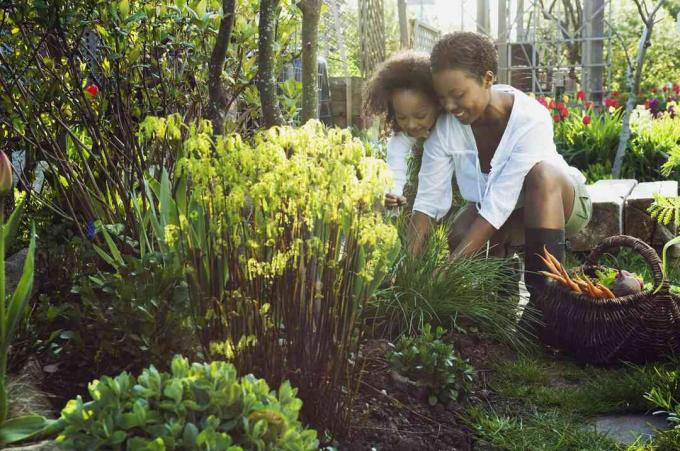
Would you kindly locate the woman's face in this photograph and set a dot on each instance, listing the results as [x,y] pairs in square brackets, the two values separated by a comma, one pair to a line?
[414,111]
[462,94]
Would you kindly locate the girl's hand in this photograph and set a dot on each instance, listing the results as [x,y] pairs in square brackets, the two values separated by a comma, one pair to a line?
[394,201]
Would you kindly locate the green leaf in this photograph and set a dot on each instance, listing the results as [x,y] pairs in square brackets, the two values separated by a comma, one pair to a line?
[164,200]
[136,17]
[22,428]
[23,290]
[664,256]
[174,390]
[12,223]
[189,436]
[115,253]
[106,257]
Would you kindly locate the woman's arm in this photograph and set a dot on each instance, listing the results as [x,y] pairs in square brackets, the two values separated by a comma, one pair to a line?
[476,237]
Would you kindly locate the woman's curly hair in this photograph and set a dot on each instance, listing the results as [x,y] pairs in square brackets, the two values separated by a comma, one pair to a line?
[407,70]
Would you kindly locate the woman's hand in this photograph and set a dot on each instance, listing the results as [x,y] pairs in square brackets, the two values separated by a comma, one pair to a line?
[394,201]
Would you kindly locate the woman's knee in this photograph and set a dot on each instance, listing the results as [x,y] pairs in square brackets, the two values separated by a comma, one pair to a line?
[544,178]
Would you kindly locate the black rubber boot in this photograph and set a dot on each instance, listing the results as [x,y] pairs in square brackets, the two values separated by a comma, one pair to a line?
[535,240]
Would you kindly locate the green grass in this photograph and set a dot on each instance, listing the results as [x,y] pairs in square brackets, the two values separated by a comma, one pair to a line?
[539,430]
[546,384]
[546,404]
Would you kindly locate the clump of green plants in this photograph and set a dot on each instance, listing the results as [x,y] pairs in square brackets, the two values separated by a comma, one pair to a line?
[202,406]
[477,292]
[665,395]
[137,312]
[283,246]
[433,364]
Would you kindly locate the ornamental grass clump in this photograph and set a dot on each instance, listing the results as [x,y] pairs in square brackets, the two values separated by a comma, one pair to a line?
[284,244]
[476,292]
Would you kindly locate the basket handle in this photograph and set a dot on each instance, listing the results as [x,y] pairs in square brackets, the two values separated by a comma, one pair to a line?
[642,248]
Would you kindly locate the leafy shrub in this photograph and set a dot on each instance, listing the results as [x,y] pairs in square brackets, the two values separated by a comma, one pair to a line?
[138,312]
[591,144]
[74,99]
[583,145]
[432,364]
[199,406]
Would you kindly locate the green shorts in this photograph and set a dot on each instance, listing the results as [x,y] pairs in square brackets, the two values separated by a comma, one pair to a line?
[581,213]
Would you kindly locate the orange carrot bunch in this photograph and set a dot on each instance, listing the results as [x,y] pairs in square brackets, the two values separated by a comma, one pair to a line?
[578,283]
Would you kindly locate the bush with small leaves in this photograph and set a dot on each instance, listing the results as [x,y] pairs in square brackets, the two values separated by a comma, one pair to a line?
[198,406]
[433,364]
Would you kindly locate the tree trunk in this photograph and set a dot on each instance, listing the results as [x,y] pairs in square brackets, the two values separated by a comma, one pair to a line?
[634,85]
[403,24]
[216,96]
[266,83]
[311,12]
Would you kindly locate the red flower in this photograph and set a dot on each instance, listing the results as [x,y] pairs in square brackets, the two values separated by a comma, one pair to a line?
[552,105]
[564,112]
[581,95]
[676,88]
[542,101]
[609,102]
[653,90]
[557,118]
[588,105]
[615,93]
[586,120]
[92,89]
[665,88]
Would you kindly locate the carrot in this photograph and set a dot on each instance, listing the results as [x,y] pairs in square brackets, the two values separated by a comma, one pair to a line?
[606,291]
[549,265]
[556,263]
[553,276]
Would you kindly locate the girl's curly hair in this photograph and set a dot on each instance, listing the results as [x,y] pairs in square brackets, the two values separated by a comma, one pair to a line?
[407,70]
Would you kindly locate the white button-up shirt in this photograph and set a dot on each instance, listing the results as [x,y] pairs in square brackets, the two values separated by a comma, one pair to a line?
[399,148]
[451,148]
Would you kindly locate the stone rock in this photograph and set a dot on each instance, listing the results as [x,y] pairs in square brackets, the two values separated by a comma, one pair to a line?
[609,197]
[14,268]
[637,222]
[625,428]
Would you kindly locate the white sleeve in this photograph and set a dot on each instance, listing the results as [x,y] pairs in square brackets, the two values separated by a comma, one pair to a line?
[434,179]
[535,145]
[398,150]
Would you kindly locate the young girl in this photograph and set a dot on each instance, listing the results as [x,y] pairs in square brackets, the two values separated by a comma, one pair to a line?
[401,89]
[499,143]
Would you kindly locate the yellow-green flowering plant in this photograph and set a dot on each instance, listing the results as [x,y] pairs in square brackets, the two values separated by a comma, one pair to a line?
[284,244]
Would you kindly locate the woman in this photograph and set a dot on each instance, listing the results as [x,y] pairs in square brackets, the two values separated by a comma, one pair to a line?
[499,143]
[401,89]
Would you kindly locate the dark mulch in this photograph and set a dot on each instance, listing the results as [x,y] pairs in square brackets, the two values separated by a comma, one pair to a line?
[391,415]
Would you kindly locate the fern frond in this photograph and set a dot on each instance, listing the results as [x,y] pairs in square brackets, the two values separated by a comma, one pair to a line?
[665,210]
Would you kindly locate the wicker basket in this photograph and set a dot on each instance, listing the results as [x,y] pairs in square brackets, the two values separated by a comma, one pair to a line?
[640,327]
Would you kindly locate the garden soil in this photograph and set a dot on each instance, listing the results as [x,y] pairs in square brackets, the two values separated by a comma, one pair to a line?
[390,414]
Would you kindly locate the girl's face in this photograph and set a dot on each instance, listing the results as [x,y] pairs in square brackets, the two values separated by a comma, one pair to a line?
[463,94]
[414,111]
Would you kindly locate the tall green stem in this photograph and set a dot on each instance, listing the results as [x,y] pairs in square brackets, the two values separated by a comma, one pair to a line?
[4,344]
